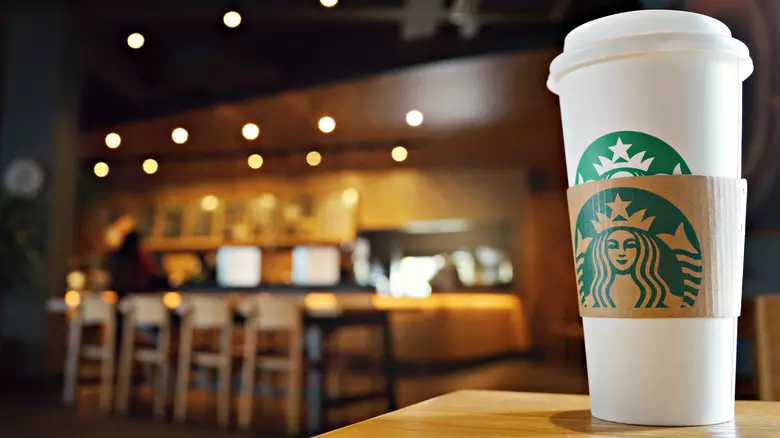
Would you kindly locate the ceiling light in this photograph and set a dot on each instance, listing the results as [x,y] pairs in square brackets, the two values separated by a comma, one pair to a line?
[113,140]
[101,169]
[313,158]
[150,166]
[329,3]
[232,19]
[326,124]
[255,161]
[135,40]
[414,118]
[250,131]
[209,203]
[180,135]
[399,153]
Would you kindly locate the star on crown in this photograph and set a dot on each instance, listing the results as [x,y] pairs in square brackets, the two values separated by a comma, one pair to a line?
[621,159]
[621,218]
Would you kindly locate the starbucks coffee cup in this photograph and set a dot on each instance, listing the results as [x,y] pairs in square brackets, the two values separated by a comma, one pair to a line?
[648,93]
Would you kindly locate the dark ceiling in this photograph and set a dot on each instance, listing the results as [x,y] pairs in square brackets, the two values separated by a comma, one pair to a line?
[191,59]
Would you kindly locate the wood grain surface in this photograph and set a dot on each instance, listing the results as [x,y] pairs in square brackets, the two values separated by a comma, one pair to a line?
[522,414]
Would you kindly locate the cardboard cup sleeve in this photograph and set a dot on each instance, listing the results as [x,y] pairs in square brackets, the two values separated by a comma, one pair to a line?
[668,246]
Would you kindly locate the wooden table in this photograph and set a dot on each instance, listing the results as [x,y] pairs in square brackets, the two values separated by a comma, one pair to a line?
[522,414]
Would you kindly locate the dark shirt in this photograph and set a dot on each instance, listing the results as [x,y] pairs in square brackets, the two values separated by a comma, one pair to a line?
[124,265]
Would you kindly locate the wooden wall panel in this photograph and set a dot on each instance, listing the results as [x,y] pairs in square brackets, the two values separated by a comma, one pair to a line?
[483,111]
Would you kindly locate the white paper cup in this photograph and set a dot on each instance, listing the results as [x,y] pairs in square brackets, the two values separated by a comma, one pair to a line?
[645,93]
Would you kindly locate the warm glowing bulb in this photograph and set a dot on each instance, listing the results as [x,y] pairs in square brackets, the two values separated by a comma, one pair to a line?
[113,140]
[209,203]
[232,19]
[414,118]
[101,169]
[349,197]
[313,158]
[135,40]
[76,280]
[327,124]
[329,3]
[250,131]
[72,299]
[150,166]
[172,300]
[399,153]
[267,201]
[180,135]
[109,296]
[255,161]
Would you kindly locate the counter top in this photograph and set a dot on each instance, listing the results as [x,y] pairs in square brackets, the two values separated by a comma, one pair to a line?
[521,414]
[275,288]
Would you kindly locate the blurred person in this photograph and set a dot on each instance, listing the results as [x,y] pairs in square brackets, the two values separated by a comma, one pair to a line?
[130,267]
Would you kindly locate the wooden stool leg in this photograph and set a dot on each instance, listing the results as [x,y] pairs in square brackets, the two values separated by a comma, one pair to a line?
[183,375]
[225,374]
[248,377]
[107,369]
[269,396]
[294,383]
[125,365]
[72,360]
[160,397]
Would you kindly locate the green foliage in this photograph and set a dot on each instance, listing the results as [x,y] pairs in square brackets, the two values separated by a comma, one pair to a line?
[21,244]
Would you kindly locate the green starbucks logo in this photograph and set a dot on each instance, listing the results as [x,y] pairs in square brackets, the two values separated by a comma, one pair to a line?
[629,153]
[635,249]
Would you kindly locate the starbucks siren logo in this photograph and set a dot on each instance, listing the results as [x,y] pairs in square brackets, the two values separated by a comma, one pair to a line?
[629,153]
[636,250]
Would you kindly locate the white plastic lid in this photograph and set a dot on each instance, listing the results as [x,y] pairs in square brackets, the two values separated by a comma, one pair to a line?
[646,31]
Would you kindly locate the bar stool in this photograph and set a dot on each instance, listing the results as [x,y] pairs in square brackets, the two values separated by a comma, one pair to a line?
[145,312]
[90,311]
[205,313]
[269,314]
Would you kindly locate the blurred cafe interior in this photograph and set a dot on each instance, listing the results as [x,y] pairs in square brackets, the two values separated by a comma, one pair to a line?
[386,176]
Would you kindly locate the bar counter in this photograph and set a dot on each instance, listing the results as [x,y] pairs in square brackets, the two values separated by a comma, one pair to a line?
[443,328]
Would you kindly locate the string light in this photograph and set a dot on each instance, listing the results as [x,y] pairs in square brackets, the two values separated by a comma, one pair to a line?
[135,40]
[150,166]
[326,124]
[209,203]
[231,19]
[180,135]
[399,153]
[113,140]
[101,169]
[255,161]
[414,118]
[313,158]
[250,131]
[329,3]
